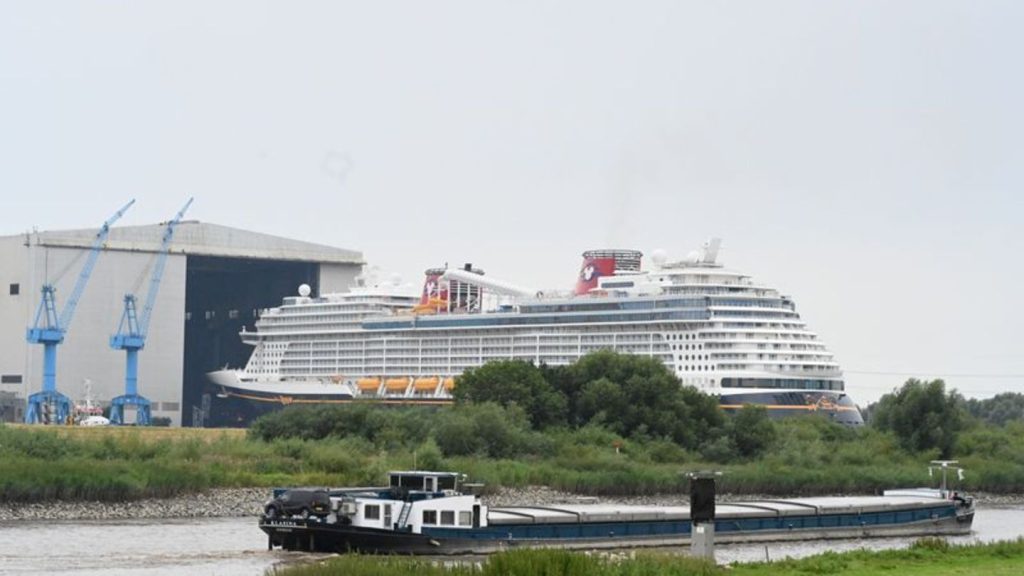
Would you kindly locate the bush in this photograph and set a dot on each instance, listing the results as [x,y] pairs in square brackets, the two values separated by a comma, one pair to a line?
[751,430]
[486,430]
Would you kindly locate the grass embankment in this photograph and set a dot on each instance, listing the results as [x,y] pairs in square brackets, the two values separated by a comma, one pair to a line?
[926,557]
[807,457]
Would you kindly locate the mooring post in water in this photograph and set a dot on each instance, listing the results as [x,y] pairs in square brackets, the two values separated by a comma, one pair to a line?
[702,514]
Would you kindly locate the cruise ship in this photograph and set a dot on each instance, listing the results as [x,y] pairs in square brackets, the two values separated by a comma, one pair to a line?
[714,328]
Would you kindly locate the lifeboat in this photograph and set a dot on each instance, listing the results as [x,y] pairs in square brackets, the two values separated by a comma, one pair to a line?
[368,385]
[449,384]
[426,384]
[396,384]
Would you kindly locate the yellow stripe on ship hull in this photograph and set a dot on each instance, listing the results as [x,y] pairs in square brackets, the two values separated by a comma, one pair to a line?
[286,400]
[809,407]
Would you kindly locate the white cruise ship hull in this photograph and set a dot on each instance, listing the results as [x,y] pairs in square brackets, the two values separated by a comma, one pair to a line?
[232,383]
[713,328]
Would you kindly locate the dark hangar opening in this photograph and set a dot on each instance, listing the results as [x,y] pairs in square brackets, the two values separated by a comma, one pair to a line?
[221,296]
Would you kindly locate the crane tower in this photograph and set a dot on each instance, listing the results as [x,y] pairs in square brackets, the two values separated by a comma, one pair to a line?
[49,328]
[132,331]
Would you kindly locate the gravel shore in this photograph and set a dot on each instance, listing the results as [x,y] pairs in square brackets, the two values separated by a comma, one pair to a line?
[235,502]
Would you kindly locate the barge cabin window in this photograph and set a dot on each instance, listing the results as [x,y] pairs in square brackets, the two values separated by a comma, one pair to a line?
[430,517]
[371,512]
[447,518]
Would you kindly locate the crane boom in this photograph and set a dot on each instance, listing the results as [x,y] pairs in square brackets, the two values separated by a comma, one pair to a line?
[90,263]
[158,270]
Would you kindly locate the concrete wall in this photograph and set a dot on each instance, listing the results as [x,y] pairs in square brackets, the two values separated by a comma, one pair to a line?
[337,277]
[85,353]
[15,314]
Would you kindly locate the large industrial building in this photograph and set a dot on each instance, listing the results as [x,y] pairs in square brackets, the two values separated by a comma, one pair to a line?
[216,280]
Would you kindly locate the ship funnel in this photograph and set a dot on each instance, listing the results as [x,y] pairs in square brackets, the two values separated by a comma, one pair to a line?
[432,289]
[598,263]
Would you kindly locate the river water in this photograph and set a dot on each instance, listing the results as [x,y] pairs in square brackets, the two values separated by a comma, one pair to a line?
[235,546]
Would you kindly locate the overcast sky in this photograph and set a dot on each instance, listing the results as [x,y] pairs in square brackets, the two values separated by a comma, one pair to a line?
[864,157]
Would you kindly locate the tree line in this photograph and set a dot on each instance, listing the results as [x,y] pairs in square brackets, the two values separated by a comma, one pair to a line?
[511,408]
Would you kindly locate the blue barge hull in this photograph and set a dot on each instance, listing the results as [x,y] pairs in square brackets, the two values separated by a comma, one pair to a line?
[549,527]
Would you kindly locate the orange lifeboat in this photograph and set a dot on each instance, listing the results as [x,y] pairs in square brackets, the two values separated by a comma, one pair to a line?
[449,384]
[368,385]
[396,384]
[426,384]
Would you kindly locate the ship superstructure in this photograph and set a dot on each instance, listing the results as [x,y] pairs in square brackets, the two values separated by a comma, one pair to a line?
[715,328]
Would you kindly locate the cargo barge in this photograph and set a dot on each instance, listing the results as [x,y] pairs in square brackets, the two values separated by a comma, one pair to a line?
[426,513]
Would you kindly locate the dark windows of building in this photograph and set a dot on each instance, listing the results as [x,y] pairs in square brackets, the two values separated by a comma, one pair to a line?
[15,289]
[10,379]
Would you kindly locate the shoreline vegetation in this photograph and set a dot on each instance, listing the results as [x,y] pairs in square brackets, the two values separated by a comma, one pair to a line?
[609,425]
[929,556]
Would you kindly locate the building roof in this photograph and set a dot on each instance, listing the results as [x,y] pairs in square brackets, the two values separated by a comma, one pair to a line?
[192,237]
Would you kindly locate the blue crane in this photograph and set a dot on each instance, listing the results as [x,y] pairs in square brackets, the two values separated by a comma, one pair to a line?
[131,334]
[49,329]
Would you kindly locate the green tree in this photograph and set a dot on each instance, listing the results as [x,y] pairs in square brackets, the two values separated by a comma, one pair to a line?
[513,382]
[636,396]
[751,431]
[922,415]
[998,410]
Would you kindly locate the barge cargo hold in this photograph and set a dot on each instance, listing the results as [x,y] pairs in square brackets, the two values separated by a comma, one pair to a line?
[423,513]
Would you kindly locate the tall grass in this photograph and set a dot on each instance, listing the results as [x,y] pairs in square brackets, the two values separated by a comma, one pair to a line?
[511,563]
[807,457]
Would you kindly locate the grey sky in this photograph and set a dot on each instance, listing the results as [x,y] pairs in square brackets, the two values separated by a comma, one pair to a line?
[865,157]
